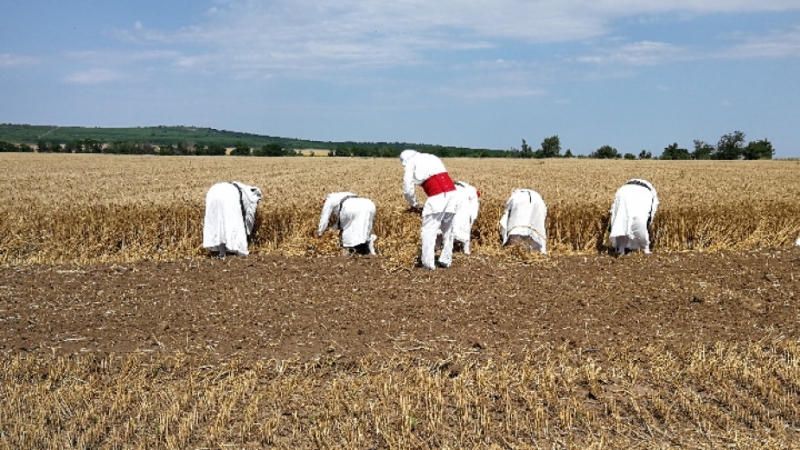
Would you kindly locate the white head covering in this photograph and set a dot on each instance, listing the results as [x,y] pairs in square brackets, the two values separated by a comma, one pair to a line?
[406,155]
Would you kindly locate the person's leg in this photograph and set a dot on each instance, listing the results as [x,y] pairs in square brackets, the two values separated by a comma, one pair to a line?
[430,226]
[446,257]
[619,243]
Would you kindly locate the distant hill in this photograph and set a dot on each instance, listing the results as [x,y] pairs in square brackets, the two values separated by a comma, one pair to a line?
[172,135]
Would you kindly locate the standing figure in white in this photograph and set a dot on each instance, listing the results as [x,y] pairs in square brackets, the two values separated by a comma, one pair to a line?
[354,218]
[523,221]
[441,206]
[633,210]
[229,218]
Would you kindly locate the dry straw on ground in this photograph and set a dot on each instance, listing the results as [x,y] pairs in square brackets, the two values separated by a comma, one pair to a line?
[719,396]
[81,208]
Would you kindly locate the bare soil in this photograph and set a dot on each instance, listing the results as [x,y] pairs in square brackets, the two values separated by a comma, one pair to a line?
[299,308]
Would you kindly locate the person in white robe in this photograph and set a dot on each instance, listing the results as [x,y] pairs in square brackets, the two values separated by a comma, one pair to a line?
[634,207]
[229,217]
[354,218]
[523,220]
[469,204]
[440,208]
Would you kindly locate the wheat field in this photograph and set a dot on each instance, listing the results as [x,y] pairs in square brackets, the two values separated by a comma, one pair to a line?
[67,211]
[81,208]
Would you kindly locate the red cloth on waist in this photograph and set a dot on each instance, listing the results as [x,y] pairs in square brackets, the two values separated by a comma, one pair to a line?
[438,184]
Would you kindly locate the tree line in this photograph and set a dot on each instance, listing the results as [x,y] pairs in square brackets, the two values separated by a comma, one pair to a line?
[143,148]
[730,146]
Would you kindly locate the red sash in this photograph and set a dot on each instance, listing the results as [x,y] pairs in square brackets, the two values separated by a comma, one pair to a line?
[438,184]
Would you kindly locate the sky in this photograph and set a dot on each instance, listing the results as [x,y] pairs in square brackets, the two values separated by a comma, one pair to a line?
[633,74]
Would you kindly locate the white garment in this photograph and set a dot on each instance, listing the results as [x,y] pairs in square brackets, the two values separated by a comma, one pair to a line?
[797,244]
[225,227]
[634,207]
[524,215]
[467,213]
[439,209]
[418,168]
[355,217]
[431,225]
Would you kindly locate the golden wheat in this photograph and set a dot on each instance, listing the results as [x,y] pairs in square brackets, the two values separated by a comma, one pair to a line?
[80,208]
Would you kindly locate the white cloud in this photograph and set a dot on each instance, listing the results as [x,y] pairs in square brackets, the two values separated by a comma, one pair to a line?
[9,60]
[644,53]
[318,37]
[496,93]
[777,44]
[93,76]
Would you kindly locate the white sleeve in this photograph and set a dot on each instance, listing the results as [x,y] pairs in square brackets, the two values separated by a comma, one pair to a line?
[655,205]
[504,223]
[327,208]
[475,204]
[408,186]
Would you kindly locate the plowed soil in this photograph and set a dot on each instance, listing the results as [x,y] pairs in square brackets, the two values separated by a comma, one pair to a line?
[284,308]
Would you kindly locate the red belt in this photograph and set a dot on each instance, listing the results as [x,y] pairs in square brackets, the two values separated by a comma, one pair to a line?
[438,184]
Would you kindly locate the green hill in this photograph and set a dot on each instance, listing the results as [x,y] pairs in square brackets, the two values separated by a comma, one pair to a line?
[172,135]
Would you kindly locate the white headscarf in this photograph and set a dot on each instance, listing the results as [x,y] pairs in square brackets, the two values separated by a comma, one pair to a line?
[406,155]
[251,195]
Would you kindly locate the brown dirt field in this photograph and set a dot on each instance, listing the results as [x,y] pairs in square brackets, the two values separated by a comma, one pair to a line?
[274,307]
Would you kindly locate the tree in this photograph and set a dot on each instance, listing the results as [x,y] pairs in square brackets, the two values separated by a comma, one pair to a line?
[269,150]
[215,150]
[759,150]
[182,149]
[702,150]
[74,146]
[241,149]
[568,153]
[629,156]
[644,154]
[525,150]
[730,146]
[551,147]
[605,152]
[92,146]
[672,151]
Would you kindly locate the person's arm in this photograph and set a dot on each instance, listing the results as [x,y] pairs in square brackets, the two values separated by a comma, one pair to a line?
[475,203]
[504,223]
[325,218]
[408,186]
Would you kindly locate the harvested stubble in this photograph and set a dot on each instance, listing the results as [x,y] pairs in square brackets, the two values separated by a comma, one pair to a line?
[722,395]
[81,208]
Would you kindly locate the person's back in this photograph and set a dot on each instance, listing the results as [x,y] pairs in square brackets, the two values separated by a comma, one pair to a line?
[523,220]
[230,217]
[635,205]
[466,214]
[354,217]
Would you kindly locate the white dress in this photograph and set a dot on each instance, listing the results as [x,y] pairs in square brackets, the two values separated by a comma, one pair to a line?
[524,215]
[467,212]
[634,207]
[355,217]
[229,217]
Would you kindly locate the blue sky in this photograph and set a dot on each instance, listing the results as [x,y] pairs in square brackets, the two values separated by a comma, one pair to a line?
[633,74]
